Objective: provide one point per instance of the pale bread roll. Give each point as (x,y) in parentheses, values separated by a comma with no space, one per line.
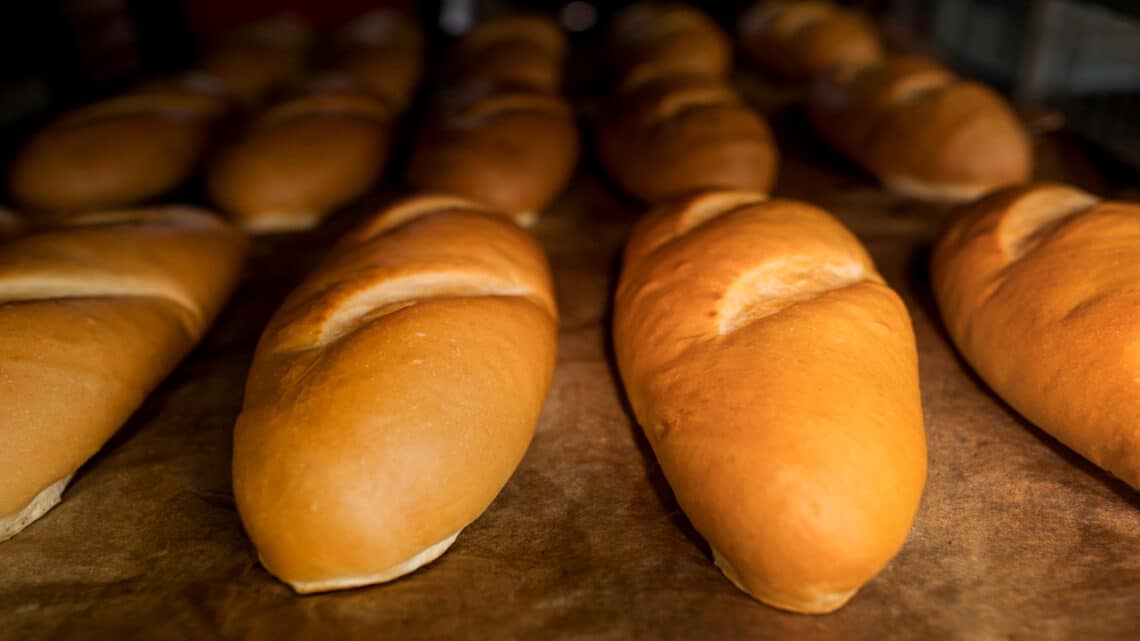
(301,160)
(798,39)
(923,132)
(94,313)
(776,378)
(393,394)
(1039,287)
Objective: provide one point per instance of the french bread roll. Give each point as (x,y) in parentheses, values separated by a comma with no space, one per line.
(776,378)
(672,35)
(510,54)
(923,132)
(259,57)
(798,39)
(383,50)
(94,313)
(1039,287)
(511,152)
(675,134)
(393,394)
(117,152)
(302,159)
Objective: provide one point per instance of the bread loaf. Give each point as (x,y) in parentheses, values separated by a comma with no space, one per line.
(117,152)
(675,134)
(776,378)
(512,152)
(670,35)
(302,159)
(259,57)
(1039,287)
(382,50)
(510,54)
(393,394)
(923,132)
(798,39)
(94,314)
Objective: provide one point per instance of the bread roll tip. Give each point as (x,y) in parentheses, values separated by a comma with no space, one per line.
(48,498)
(422,558)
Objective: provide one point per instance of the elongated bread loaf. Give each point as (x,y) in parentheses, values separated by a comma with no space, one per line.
(510,54)
(384,51)
(671,35)
(301,160)
(93,314)
(512,152)
(798,39)
(776,378)
(1039,287)
(393,394)
(922,131)
(675,134)
(259,57)
(119,151)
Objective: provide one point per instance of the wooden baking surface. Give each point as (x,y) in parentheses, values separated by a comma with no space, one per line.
(1017,538)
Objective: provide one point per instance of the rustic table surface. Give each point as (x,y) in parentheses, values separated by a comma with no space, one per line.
(1017,537)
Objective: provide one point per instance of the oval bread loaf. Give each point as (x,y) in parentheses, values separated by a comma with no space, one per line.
(301,160)
(1039,287)
(923,132)
(96,311)
(671,35)
(383,50)
(676,134)
(776,378)
(393,394)
(511,152)
(798,39)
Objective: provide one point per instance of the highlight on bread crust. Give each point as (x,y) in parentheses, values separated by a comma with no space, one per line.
(96,310)
(776,378)
(1039,287)
(675,134)
(393,394)
(922,131)
(302,159)
(801,38)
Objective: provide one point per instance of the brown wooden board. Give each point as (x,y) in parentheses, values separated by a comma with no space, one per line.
(1017,538)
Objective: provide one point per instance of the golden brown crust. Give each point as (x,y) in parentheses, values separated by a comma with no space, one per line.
(673,35)
(677,134)
(512,152)
(801,38)
(260,57)
(511,54)
(921,130)
(301,160)
(1039,287)
(382,50)
(97,311)
(393,394)
(776,378)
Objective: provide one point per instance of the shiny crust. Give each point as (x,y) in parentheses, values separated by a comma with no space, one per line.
(116,152)
(801,38)
(96,311)
(680,133)
(670,34)
(394,393)
(776,378)
(1039,287)
(513,152)
(301,160)
(921,130)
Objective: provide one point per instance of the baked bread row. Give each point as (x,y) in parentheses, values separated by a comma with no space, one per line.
(675,125)
(500,133)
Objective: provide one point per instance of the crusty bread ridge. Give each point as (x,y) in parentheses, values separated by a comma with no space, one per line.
(393,394)
(776,378)
(1039,287)
(97,311)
